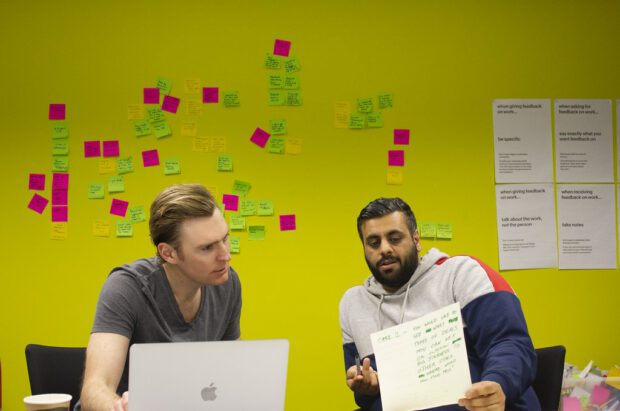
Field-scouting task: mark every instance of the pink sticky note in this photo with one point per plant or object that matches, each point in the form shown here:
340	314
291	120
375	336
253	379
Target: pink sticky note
401	136
119	207
571	404
36	182
111	148
59	197
210	94
151	95
57	112
170	104
150	158
600	395
260	137
60	181
38	203
396	158
282	48
287	222
60	214
231	202
92	148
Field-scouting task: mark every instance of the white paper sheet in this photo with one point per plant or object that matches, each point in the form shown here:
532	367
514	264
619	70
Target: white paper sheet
583	141
423	363
586	226
618	134
522	141
526	226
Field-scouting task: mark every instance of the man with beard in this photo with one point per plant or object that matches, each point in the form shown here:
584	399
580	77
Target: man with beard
403	287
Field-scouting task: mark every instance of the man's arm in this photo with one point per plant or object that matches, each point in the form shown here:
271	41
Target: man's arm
105	361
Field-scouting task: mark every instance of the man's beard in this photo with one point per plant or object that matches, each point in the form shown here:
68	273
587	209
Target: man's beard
400	277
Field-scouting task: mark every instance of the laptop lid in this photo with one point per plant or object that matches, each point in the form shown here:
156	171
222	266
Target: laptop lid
206	376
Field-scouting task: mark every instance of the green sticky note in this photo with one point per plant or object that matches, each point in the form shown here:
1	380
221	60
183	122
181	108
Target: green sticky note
136	214
247	207
141	128
444	231
162	129
293	98
256	232
164	85
96	191
277	98
124	165
231	99
291	65
272	62
172	166
224	162
364	105
427	229
60	147
237	222
276	81
124	228
385	100
60	163
116	184
156	114
277	127
374	120
291	81
235	244
265	207
241	188
60	130
275	145
357	120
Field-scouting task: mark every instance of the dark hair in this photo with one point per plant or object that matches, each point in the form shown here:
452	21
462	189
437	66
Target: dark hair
384	206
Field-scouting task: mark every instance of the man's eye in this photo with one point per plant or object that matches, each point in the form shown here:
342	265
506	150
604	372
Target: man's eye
207	247
395	239
373	243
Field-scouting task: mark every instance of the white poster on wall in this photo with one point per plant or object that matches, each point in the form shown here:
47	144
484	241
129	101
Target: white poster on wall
617	134
526	226
583	141
586	226
522	141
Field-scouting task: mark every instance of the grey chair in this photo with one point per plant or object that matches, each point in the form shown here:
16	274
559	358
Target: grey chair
549	375
55	370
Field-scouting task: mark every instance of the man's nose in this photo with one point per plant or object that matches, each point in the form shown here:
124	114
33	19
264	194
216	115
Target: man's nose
386	248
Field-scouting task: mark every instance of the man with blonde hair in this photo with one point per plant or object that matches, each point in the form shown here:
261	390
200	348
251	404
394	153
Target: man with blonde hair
187	292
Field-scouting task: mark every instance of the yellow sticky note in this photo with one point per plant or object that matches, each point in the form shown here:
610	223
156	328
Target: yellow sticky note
277	127
385	100
101	228
357	120
275	145
272	62
136	214
237	222
200	144
247	207
614	373
60	130
218	144
59	231
374	120
107	165
241	188
291	65
444	231
293	146
427	229
193	107
96	191
291	81
235	244
265	208
224	163
60	147
162	129
172	166
342	110
135	112
275	80
60	163
141	128
364	105
116	184
231	98
395	177
124	228
156	114
192	86
276	98
256	232
293	98
124	165
189	128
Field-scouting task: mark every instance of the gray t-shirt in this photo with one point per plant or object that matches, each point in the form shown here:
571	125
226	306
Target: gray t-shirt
136	301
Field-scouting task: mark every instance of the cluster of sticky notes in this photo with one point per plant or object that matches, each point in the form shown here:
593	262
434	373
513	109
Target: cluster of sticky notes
283	81
59	197
365	115
432	229
60	137
396	157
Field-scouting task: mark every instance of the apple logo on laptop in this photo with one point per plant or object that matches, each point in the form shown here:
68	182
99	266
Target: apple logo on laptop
208	393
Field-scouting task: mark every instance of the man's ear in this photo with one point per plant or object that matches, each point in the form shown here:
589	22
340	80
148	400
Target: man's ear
416	240
167	253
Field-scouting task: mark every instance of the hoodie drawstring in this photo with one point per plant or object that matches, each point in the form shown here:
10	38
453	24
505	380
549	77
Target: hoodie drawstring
381	314
402	309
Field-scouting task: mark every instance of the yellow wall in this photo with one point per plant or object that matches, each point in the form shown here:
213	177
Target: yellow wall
444	61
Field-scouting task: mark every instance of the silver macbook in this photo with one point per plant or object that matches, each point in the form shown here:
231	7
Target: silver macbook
207	376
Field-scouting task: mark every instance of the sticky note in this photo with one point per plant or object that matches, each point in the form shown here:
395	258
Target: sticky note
265	208
200	144
137	214
231	202
36	181
291	65
60	147
60	197
287	222
357	120
275	81
92	148
600	395
141	128
135	112
231	98
170	104
151	95
275	145
281	48
156	114
59	231
162	129
276	98
218	144
57	112
277	127
235	244
224	163
374	120
118	207
291	81
111	148
241	188
101	228
256	232
60	214
260	137
193	107
192	86
571	404
124	228
427	229
60	130
237	222
396	158
444	231
272	62
124	165
385	100
210	94
401	136
247	207
116	184
364	105
38	203
164	85
189	128
106	165
293	146
172	166
394	176
150	158
342	110
293	98
60	163
96	191
60	181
